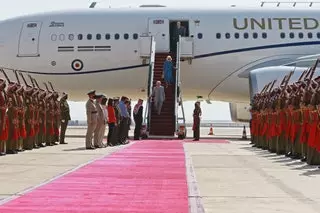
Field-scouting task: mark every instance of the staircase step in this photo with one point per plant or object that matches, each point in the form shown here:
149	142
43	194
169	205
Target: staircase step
163	124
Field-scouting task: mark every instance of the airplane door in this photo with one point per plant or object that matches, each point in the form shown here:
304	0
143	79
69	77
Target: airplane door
29	39
159	28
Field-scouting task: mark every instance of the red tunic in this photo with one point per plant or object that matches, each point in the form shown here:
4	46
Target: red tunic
15	124
305	126
314	120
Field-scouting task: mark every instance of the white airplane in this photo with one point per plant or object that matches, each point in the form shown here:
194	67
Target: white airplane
106	49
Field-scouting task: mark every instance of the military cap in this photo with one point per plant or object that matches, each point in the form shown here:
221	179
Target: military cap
116	98
98	96
92	92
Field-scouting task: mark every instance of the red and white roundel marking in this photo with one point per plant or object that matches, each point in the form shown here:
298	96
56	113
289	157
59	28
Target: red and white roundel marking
77	65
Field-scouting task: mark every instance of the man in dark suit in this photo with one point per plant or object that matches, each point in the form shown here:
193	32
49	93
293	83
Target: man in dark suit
137	116
178	31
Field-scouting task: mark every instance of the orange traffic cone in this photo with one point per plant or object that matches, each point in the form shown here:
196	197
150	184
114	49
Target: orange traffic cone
211	130
244	133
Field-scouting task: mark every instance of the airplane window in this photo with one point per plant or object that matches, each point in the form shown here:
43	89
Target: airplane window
80	37
236	35
310	35
98	36
245	35
218	35
61	37
300	35
200	35
53	37
282	35
135	36
107	36
227	35
291	35
116	36
126	36
255	35
264	35
71	37
89	36
318	35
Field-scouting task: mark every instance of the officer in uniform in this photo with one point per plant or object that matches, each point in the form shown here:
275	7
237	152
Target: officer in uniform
57	114
101	122
92	115
49	119
3	118
65	116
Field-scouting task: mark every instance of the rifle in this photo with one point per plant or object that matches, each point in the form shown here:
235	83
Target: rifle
15	72
25	82
46	86
286	83
312	71
303	73
35	81
265	87
32	81
5	75
51	86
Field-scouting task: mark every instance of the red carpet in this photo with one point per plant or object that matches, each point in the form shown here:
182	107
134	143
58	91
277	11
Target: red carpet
206	141
148	177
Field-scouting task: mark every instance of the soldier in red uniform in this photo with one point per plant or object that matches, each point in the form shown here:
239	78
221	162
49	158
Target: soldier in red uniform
4	122
29	117
21	112
35	103
13	116
42	119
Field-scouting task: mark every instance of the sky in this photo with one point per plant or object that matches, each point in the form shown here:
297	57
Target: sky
12	8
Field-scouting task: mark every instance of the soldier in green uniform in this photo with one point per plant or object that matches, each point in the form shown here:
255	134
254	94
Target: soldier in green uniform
3	118
65	116
57	119
50	120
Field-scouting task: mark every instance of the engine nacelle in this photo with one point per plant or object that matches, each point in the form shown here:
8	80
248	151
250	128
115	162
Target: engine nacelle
258	78
240	112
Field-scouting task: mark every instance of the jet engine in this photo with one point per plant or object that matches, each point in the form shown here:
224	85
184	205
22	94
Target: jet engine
240	112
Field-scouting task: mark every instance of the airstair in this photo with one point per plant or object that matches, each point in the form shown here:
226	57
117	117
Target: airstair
168	122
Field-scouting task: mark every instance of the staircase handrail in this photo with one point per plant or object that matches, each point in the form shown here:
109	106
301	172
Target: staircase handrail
176	96
147	113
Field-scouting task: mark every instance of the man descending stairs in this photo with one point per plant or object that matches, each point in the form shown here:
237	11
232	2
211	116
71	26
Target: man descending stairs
163	124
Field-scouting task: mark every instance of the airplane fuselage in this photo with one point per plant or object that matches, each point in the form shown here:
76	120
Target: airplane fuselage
101	49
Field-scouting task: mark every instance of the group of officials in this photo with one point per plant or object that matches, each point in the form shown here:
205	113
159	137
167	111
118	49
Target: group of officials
114	112
31	117
286	119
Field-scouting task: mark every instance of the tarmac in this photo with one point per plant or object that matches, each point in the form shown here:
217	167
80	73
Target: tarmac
222	177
